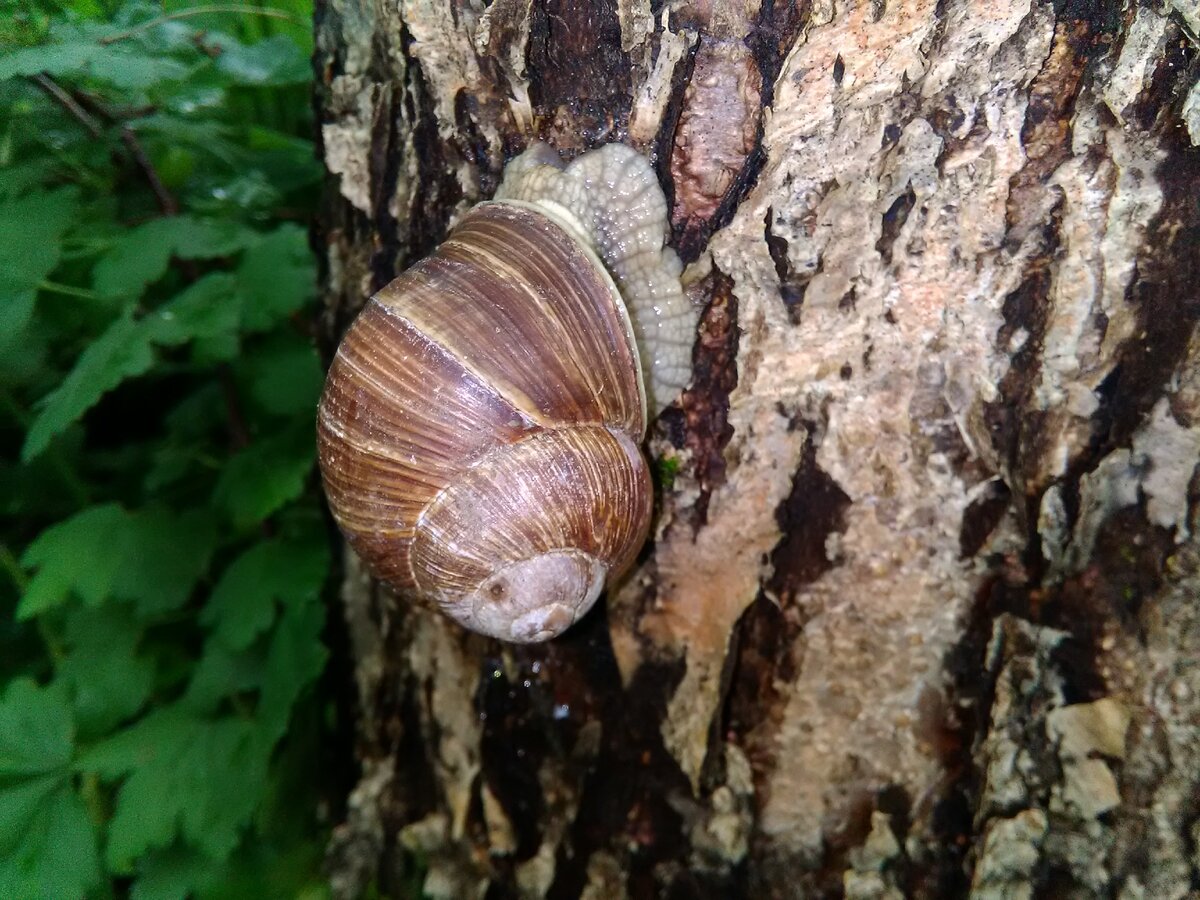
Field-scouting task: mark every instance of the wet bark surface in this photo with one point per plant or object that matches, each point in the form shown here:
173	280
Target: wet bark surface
921	611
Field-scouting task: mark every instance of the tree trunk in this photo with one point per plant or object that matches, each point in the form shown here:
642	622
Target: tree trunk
921	616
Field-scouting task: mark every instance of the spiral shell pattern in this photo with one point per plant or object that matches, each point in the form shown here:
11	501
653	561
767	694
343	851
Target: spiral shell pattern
478	434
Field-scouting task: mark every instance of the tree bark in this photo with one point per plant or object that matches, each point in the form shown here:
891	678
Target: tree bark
921	615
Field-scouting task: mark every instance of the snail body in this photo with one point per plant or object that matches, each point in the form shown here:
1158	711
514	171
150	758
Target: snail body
479	433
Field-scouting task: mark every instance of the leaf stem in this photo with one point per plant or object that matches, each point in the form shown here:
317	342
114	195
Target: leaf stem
199	11
69	290
93	797
55	91
89	104
10	565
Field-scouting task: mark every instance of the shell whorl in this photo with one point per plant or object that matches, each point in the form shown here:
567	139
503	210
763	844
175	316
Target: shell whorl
611	198
478	435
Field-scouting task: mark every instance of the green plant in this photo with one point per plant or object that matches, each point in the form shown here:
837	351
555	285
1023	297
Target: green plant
165	550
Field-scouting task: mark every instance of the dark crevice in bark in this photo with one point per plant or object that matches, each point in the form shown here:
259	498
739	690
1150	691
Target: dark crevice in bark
436	189
665	138
1046	131
512	750
471	143
969	705
791	287
814	509
705	404
340	760
624	806
768	635
982	516
893	221
1098	17
384	169
762	657
1164	97
397	714
579	78
691	237
772	37
1166	290
1024	310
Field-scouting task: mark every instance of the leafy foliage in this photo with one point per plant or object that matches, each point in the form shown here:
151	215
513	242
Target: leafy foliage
164	553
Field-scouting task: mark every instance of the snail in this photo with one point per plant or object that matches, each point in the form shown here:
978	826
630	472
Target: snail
480	429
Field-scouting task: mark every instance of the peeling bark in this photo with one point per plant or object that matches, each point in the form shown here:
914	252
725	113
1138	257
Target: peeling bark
921	615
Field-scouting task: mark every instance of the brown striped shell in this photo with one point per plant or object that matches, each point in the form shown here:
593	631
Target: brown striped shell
480	426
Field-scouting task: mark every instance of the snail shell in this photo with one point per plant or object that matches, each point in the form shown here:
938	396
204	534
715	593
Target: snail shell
479	432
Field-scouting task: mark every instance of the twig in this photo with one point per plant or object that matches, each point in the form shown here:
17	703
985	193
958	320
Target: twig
69	103
78	105
198	11
239	431
166	200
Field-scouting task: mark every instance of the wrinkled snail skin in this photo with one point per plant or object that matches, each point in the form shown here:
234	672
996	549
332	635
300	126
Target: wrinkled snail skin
612	200
479	432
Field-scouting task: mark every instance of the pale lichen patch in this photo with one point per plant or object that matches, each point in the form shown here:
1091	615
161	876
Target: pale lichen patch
652	93
1135	66
871	875
1011	852
1171	453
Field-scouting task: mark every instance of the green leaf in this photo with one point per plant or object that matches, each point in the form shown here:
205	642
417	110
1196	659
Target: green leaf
123	351
36	731
214	138
222	673
266	475
296	658
109	679
20	802
165	555
136	258
174	874
276	60
127	66
53	59
81	554
139	256
211	238
206	309
152	557
47	844
285	376
276	278
148	742
243	603
31	231
57	854
191	428
188	777
121	65
20	178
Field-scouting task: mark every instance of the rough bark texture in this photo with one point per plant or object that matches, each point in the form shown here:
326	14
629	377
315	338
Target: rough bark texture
921	616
